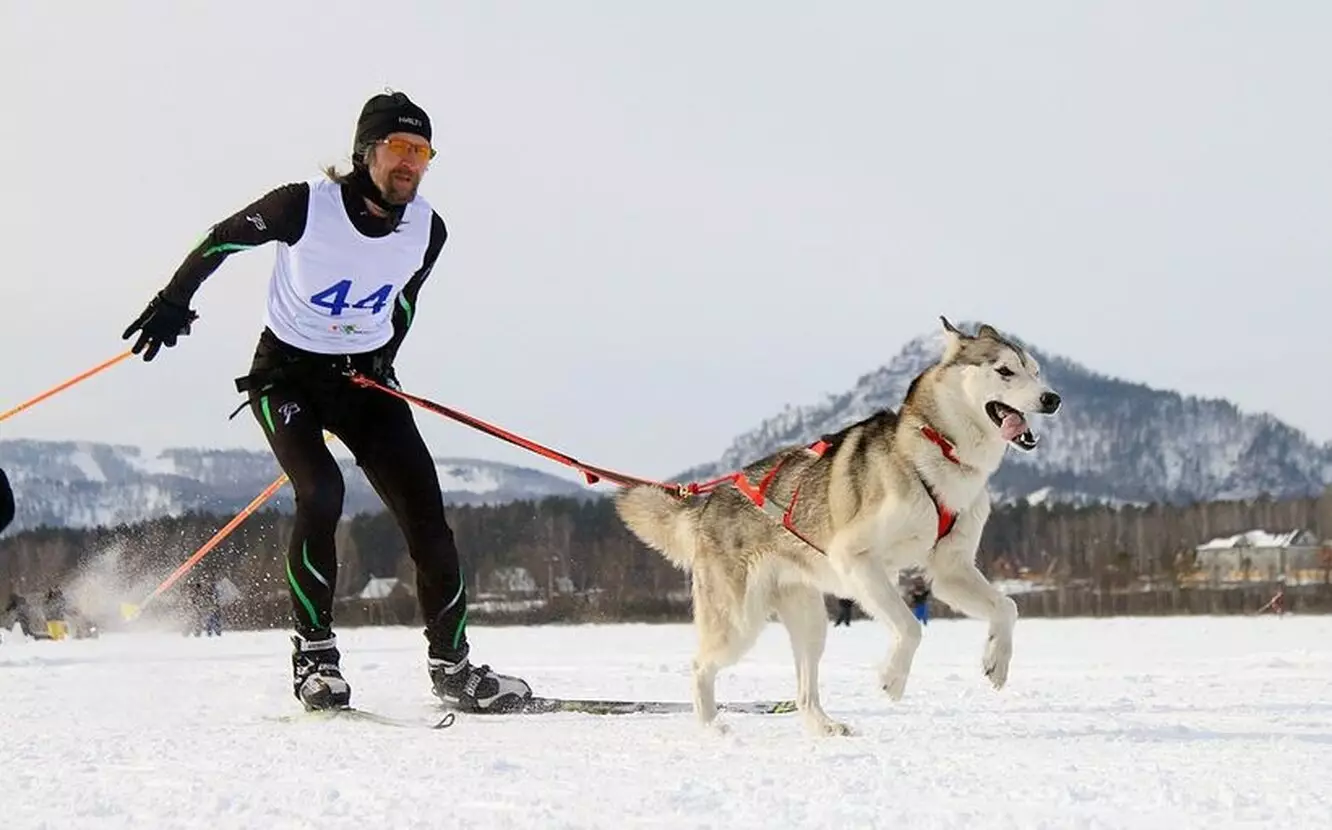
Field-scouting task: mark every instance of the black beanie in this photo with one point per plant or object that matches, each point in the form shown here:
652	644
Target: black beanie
388	113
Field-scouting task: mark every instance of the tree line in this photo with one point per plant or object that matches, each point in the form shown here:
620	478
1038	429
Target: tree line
580	553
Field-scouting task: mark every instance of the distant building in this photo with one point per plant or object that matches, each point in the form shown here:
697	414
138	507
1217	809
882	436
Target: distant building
1258	555
385	600
382	587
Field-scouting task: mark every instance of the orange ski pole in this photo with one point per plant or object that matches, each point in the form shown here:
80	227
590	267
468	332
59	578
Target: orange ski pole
53	390
129	610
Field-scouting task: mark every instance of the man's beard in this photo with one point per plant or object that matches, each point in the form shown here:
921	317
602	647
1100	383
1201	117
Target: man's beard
400	191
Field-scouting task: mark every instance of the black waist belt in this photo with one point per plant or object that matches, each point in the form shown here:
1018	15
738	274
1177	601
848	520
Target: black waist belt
319	369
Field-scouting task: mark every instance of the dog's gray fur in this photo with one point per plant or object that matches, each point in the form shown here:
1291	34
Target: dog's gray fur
864	505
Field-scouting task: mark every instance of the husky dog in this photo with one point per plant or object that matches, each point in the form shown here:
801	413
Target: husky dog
843	516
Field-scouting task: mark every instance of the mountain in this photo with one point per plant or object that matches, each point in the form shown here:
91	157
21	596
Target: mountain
1112	441
83	484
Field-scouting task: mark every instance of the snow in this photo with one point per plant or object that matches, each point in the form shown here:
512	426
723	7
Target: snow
116	484
161	463
1120	723
1020	586
1040	496
1256	539
467	478
86	464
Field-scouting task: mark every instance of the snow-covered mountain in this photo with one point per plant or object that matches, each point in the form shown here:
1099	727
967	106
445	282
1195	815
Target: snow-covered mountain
1112	441
83	484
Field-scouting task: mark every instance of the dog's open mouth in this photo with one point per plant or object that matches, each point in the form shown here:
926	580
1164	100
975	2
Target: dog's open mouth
1012	425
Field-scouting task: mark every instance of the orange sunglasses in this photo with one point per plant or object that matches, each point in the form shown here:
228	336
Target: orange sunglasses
407	149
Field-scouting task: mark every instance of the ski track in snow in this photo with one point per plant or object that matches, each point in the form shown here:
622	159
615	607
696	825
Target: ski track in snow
1115	723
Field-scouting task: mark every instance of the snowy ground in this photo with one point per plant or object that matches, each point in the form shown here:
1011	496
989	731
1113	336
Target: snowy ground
1170	723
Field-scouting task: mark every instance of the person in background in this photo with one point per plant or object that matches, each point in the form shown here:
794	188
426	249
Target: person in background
57	611
18	611
844	607
205	614
919	599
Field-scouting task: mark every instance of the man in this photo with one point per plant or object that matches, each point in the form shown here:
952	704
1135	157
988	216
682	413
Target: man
844	608
352	253
6	502
919	598
205	614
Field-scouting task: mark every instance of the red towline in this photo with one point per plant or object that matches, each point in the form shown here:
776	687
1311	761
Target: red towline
756	493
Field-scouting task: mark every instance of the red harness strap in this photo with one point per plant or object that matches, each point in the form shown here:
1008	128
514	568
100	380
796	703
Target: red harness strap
759	494
947	516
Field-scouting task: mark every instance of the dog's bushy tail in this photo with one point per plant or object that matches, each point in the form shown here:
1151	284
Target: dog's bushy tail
662	521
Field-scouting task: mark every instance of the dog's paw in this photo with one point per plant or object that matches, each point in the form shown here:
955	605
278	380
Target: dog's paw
818	724
830	728
998	653
893	682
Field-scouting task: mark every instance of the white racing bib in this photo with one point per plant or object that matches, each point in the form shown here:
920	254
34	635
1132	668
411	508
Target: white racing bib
333	292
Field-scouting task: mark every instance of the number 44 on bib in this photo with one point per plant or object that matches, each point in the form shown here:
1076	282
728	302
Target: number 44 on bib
334	298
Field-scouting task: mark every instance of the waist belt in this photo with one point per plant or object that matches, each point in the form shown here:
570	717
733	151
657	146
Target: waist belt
323	368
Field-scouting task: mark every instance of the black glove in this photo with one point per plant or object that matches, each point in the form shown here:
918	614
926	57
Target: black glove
159	325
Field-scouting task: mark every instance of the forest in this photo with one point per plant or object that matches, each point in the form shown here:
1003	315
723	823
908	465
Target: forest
572	560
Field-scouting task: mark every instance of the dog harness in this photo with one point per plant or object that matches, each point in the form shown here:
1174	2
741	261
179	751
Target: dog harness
758	493
947	516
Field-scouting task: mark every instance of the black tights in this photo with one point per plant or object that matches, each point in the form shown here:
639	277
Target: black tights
378	428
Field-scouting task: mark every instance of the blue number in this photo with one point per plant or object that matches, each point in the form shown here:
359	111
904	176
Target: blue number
334	298
338	293
381	298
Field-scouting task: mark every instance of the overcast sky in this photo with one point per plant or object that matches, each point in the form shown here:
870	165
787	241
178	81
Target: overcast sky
694	212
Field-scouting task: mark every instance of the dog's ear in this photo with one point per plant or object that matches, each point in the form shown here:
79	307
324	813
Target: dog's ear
987	330
952	341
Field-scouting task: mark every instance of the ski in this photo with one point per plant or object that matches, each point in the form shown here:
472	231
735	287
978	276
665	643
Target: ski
353	713
590	706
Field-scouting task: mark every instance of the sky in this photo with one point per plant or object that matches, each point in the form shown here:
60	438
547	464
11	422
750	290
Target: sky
669	221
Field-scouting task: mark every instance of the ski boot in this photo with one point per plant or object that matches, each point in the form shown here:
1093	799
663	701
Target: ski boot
316	679
469	688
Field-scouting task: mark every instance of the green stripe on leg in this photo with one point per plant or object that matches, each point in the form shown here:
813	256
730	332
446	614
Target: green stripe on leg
268	413
457	635
305	557
300	595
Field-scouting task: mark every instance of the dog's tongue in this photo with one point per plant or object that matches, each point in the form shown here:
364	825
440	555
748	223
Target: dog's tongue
1013	426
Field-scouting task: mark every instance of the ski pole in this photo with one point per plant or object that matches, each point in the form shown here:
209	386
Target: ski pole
129	611
53	390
